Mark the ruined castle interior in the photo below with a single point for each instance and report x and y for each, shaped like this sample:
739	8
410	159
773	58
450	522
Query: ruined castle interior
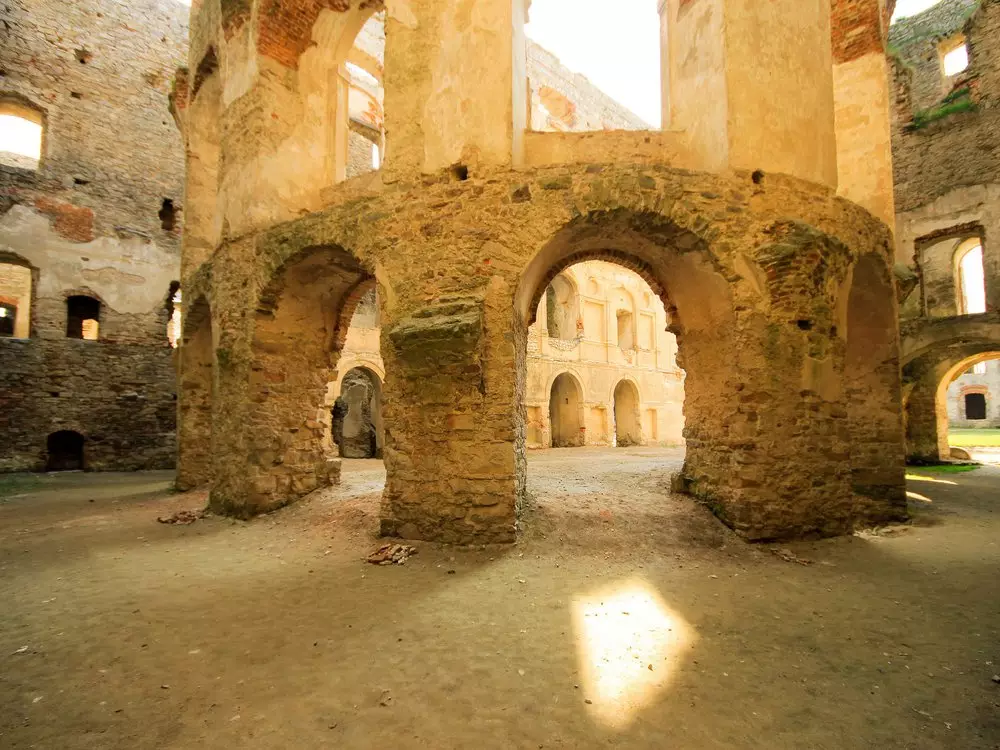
650	352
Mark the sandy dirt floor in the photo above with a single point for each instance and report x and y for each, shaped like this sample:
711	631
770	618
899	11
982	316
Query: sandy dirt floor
625	617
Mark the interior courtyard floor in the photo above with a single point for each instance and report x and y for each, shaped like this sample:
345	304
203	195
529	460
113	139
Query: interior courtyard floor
624	617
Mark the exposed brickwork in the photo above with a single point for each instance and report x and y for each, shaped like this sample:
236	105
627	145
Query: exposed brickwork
856	29
285	28
72	222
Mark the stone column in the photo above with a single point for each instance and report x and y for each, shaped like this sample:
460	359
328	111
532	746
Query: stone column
863	119
923	442
449	86
751	84
454	449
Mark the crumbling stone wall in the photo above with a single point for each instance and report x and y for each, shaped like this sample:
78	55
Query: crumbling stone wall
94	219
756	270
946	153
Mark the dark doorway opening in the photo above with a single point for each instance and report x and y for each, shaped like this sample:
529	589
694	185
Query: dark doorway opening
65	451
975	406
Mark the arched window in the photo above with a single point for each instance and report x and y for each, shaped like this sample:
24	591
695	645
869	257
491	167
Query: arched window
971	277
21	130
562	309
83	316
15	300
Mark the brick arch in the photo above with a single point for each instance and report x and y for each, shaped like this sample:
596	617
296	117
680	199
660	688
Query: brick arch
671	258
347	307
285	27
207	66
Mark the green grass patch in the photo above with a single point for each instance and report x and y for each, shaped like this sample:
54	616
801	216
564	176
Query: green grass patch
18	484
970	438
959	100
941	469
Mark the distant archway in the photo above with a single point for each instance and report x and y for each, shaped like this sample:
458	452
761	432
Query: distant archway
65	451
357	427
628	425
565	405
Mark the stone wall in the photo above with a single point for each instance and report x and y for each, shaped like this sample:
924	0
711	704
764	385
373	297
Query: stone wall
562	100
946	153
932	157
100	217
986	383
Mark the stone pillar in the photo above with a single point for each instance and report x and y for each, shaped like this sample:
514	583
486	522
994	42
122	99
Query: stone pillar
195	356
991	265
861	94
751	84
452	461
923	438
449	86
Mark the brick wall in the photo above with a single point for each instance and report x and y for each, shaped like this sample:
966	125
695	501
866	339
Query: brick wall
90	220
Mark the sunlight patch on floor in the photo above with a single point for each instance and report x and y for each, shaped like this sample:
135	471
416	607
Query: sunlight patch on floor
919	478
917	496
629	645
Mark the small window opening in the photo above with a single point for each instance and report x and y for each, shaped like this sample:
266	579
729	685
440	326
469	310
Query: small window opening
978	369
168	215
975	406
460	172
376	157
8	319
65	449
15	300
174	311
973	281
956	60
626	338
83	316
20	136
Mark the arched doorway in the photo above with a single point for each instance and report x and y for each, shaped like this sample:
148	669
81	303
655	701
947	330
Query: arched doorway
65	451
565	404
357	415
628	429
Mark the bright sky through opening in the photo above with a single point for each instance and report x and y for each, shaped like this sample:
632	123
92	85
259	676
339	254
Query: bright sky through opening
20	136
619	52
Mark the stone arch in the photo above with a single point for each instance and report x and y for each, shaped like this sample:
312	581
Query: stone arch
566	403
300	94
678	267
196	383
872	391
293	356
628	420
926	396
360	431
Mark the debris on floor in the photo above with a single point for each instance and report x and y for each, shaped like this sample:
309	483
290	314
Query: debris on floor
183	517
391	554
788	556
